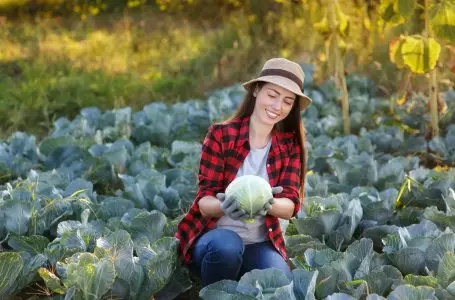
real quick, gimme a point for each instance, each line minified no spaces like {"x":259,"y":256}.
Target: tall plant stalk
{"x":433,"y":83}
{"x":338,"y":63}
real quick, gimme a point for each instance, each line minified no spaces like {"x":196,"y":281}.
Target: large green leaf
{"x":409,"y":260}
{"x":11,"y":265}
{"x":446,"y":270}
{"x":51,"y":143}
{"x":118,"y":248}
{"x":381,"y":279}
{"x":34,"y":244}
{"x":420,"y":56}
{"x":304,"y":284}
{"x":224,"y":290}
{"x":17,"y":216}
{"x":388,"y":12}
{"x":92,"y":277}
{"x":350,"y":218}
{"x":362,"y":250}
{"x":298,"y":244}
{"x":409,"y":292}
{"x":319,"y":258}
{"x":436,"y":251}
{"x":114,"y":207}
{"x":334,"y":274}
{"x":118,"y":157}
{"x":417,"y":280}
{"x":440,"y":218}
{"x":179,"y":283}
{"x":406,"y":7}
{"x":29,"y":273}
{"x":148,"y":224}
{"x":272,"y":283}
{"x":321,"y":223}
{"x":442,"y":16}
{"x":160,"y":261}
{"x":52,"y":213}
{"x":52,"y":281}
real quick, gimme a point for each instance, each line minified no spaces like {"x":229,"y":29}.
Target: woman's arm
{"x":210,"y":207}
{"x":282,"y":208}
{"x":211,"y":172}
{"x":290,"y":198}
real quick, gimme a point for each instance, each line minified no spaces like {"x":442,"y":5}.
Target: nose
{"x":277,"y":105}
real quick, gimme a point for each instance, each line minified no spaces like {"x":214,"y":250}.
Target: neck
{"x":259,"y":133}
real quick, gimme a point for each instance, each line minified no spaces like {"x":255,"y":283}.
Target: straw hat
{"x":286,"y":74}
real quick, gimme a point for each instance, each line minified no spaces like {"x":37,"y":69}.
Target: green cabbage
{"x":251,"y":191}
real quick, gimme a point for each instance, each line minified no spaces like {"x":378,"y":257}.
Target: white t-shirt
{"x":254,"y":164}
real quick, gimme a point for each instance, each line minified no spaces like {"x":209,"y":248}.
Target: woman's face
{"x":273,"y":103}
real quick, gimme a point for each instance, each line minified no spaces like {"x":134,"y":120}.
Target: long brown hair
{"x":292,"y":123}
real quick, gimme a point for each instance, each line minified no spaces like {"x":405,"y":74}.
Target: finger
{"x":226,"y":203}
{"x":242,"y":216}
{"x":238,"y":214}
{"x":262,"y":212}
{"x":267,"y":206}
{"x":221,"y":196}
{"x":234,"y":206}
{"x":277,"y":190}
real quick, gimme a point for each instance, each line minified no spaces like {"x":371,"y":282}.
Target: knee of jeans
{"x":227,"y":246}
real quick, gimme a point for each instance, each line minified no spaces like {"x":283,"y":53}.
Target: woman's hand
{"x":268,"y":204}
{"x":231,"y":207}
{"x":219,"y":206}
{"x":279,"y":207}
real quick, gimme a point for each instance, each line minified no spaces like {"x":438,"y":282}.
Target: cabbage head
{"x":251,"y":191}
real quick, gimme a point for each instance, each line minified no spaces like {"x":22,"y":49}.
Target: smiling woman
{"x":273,"y":103}
{"x":263,"y":138}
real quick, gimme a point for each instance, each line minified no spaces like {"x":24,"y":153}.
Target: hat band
{"x":282,"y":73}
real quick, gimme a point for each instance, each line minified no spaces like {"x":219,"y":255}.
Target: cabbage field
{"x":90,"y":211}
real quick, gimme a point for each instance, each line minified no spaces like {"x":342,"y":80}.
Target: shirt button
{"x":270,"y":229}
{"x":268,"y":165}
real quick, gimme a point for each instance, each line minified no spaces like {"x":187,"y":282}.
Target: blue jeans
{"x":221,"y":254}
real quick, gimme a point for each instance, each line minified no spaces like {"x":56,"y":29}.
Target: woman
{"x":265,"y":137}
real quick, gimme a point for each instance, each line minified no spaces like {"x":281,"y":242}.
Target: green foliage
{"x":91,"y":209}
{"x":11,"y":265}
{"x":442,"y":16}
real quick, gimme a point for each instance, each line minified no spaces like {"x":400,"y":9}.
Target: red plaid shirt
{"x":224,"y":149}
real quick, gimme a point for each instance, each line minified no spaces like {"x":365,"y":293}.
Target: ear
{"x":256,"y":91}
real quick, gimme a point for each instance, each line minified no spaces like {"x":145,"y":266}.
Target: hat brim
{"x":288,"y":84}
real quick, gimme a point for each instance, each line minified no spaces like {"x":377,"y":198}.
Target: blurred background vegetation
{"x":58,"y":56}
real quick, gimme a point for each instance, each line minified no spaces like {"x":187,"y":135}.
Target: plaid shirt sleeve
{"x":210,"y":182}
{"x":290,"y":178}
{"x":211,"y":169}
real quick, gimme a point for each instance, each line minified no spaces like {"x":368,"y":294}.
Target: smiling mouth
{"x":271,"y":115}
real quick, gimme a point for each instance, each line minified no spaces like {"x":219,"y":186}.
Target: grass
{"x":51,"y":67}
